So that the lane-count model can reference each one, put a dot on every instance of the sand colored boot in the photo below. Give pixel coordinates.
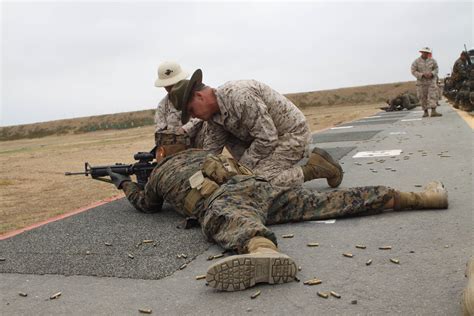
(468, 294)
(263, 264)
(321, 165)
(425, 114)
(434, 113)
(434, 196)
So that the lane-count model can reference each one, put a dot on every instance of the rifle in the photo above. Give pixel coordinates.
(468, 57)
(141, 169)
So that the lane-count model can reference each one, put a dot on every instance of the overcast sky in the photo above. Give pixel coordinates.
(72, 59)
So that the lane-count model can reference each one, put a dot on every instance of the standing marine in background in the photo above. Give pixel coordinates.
(166, 116)
(438, 84)
(459, 73)
(465, 95)
(425, 70)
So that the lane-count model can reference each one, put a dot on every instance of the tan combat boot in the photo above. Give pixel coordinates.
(425, 113)
(434, 196)
(263, 264)
(434, 113)
(322, 165)
(468, 294)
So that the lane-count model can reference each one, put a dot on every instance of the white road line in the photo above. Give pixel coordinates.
(329, 221)
(342, 127)
(376, 120)
(378, 153)
(409, 120)
(398, 133)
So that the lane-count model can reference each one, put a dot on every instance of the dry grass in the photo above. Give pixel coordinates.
(32, 182)
(323, 117)
(82, 125)
(352, 96)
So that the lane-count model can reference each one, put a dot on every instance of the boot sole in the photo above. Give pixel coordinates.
(327, 156)
(243, 271)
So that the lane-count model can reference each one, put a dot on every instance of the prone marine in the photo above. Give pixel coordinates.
(234, 207)
(402, 101)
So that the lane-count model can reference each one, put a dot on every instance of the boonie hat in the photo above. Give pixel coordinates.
(169, 73)
(425, 50)
(182, 91)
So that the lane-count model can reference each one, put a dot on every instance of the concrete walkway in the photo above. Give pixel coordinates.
(432, 246)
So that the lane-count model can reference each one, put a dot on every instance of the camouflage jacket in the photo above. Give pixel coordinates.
(421, 66)
(168, 182)
(167, 117)
(254, 114)
(459, 70)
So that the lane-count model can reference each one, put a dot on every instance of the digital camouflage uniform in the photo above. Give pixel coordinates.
(262, 129)
(426, 89)
(242, 207)
(459, 72)
(403, 101)
(167, 117)
(465, 95)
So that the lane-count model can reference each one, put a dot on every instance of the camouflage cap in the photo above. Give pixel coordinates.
(182, 91)
(172, 137)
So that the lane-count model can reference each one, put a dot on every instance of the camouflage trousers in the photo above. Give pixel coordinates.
(241, 208)
(428, 95)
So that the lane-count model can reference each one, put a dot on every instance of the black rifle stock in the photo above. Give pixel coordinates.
(141, 169)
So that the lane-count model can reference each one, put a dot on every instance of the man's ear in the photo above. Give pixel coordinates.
(160, 153)
(167, 150)
(199, 95)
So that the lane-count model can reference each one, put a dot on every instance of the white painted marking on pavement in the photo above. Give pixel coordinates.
(341, 127)
(329, 221)
(383, 119)
(377, 153)
(372, 117)
(398, 133)
(409, 120)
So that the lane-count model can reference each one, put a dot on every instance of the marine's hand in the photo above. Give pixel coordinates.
(118, 179)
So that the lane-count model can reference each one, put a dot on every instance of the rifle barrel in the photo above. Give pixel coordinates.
(141, 169)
